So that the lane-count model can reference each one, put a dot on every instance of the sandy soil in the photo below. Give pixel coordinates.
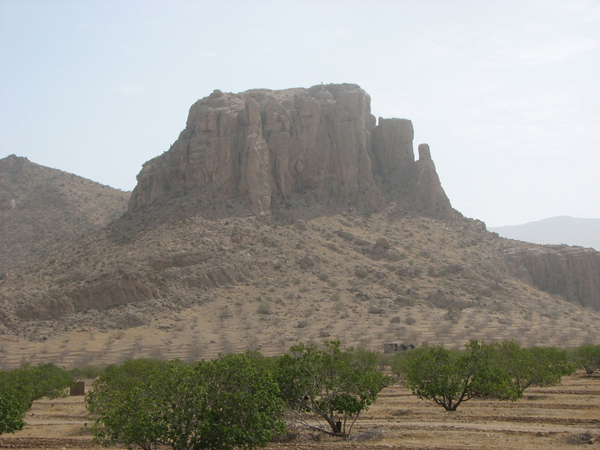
(545, 418)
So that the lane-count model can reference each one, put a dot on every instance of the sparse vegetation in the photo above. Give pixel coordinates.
(86, 371)
(582, 438)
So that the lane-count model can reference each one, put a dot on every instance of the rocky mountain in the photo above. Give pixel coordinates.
(42, 209)
(295, 148)
(556, 230)
(280, 216)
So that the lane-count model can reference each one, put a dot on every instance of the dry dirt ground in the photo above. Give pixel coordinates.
(545, 418)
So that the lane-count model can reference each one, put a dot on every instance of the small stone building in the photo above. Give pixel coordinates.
(78, 388)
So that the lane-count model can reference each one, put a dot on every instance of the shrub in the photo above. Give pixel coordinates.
(332, 384)
(450, 377)
(587, 357)
(20, 387)
(264, 308)
(229, 402)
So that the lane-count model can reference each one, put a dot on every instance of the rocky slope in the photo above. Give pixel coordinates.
(43, 209)
(201, 286)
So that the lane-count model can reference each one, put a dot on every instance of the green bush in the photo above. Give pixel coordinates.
(20, 387)
(12, 411)
(230, 402)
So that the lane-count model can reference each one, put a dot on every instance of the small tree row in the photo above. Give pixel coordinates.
(237, 401)
(501, 370)
(20, 387)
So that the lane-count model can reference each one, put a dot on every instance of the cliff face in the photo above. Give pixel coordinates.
(571, 272)
(277, 147)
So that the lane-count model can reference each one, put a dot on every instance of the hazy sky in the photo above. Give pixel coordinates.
(507, 93)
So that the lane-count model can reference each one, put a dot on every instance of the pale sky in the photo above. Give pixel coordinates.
(507, 93)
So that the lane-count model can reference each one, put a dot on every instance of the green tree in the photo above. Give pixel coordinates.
(330, 385)
(12, 412)
(20, 387)
(244, 406)
(534, 366)
(587, 356)
(450, 377)
(229, 402)
(127, 401)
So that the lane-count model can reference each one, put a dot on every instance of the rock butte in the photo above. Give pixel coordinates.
(286, 148)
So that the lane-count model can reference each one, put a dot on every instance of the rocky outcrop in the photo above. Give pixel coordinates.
(112, 290)
(293, 147)
(106, 293)
(571, 272)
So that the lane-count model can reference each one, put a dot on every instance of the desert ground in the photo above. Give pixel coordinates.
(550, 417)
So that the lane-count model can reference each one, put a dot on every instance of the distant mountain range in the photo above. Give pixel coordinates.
(556, 230)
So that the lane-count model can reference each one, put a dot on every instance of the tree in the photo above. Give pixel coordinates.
(127, 402)
(450, 377)
(327, 389)
(12, 412)
(44, 380)
(534, 366)
(226, 403)
(20, 387)
(587, 356)
(243, 405)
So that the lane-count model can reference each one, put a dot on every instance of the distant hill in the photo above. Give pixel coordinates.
(556, 230)
(43, 209)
